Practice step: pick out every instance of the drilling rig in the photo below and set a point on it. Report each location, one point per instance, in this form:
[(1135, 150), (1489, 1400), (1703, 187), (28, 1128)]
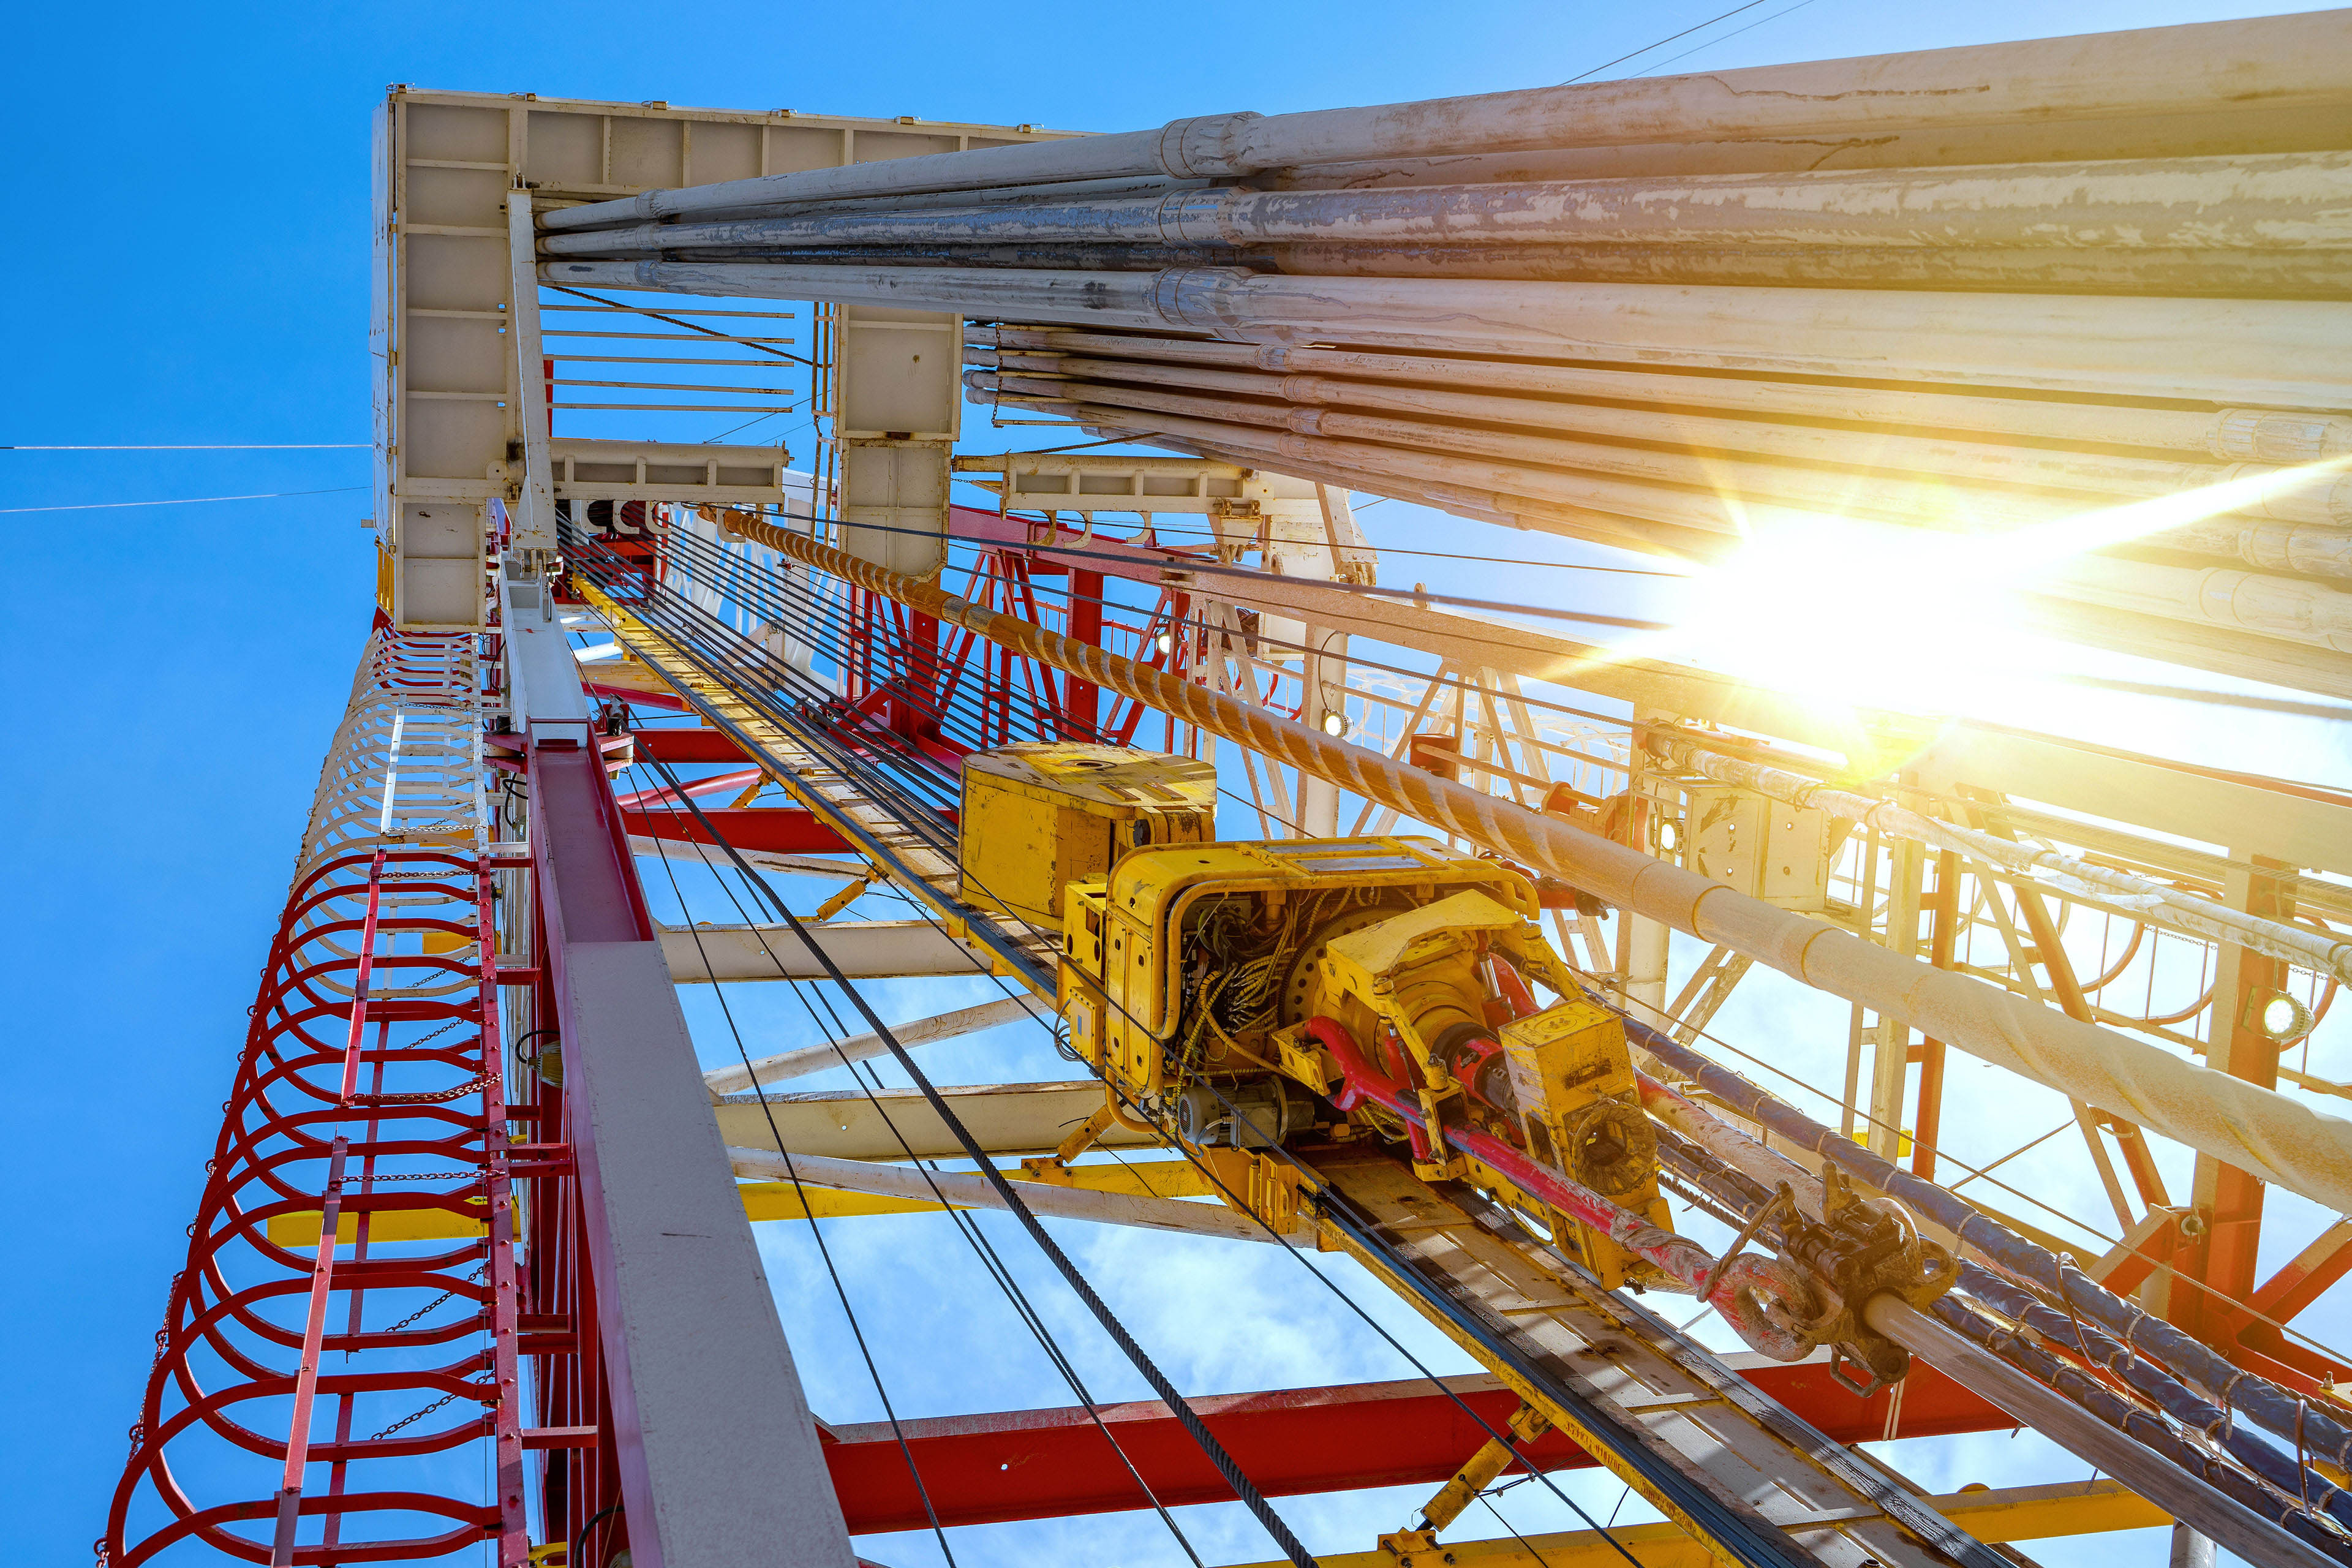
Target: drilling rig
[(1364, 920)]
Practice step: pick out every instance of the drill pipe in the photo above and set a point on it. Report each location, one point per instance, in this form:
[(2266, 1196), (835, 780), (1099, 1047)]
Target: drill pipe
[(2282, 202), (2297, 67), (2235, 435), (1748, 1166), (2268, 1407), (2257, 1129), (2173, 273), (2306, 494), (2282, 608), (2287, 354), (2157, 1478)]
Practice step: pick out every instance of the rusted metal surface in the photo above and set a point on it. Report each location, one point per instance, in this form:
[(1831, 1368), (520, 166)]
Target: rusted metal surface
[(2156, 90)]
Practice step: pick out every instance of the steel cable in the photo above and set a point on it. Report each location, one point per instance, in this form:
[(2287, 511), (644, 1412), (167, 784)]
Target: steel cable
[(967, 1227), (1185, 1415)]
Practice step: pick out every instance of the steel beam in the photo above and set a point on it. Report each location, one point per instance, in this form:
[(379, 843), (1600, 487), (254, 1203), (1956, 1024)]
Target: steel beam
[(788, 1065), (2227, 1194), (865, 949), (2013, 1513), (1007, 1119), (959, 1189), (717, 1451), (777, 830), (1041, 1464), (839, 869)]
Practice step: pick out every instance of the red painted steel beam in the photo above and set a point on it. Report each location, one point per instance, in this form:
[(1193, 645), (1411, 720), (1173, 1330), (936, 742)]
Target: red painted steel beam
[(1110, 557), (718, 783), (2308, 1276), (631, 694), (689, 746), (783, 830), (1045, 1463)]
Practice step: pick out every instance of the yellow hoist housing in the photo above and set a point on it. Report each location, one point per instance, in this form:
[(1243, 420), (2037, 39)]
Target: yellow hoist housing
[(1192, 971), (1171, 938), (1041, 815)]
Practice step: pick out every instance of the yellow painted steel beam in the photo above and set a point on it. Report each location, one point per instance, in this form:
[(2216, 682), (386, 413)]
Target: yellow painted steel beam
[(2018, 1514), (762, 1200)]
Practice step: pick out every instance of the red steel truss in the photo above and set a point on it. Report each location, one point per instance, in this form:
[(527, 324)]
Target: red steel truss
[(372, 1086), (369, 1091)]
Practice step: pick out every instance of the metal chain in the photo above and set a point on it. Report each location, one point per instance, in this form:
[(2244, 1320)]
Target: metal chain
[(428, 1410), (473, 1085), (473, 1278), (420, 1043)]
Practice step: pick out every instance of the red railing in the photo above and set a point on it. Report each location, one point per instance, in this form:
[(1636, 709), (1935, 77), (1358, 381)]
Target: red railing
[(369, 1093)]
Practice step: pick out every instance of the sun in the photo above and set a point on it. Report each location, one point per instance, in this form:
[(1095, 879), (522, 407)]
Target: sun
[(1850, 613)]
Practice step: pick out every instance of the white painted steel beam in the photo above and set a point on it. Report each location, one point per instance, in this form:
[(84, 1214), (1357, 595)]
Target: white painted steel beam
[(1011, 1119), (788, 1065), (865, 949), (534, 518), (835, 867)]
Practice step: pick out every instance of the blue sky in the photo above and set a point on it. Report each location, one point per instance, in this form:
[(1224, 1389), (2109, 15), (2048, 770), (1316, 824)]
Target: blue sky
[(189, 268)]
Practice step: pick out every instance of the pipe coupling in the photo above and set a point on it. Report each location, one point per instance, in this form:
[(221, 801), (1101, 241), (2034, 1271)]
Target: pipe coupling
[(2265, 436), (1206, 146), (1199, 299), (1195, 217)]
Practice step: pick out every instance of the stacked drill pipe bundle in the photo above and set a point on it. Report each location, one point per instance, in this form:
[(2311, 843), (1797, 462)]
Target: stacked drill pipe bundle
[(2090, 299), (2221, 225)]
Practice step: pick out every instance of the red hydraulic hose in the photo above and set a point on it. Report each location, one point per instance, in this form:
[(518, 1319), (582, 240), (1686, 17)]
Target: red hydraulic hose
[(1763, 1299)]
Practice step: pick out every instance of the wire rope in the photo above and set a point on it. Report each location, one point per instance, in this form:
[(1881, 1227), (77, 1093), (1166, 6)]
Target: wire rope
[(965, 1225), (1662, 43), (1365, 1239), (1177, 1404), (816, 1233)]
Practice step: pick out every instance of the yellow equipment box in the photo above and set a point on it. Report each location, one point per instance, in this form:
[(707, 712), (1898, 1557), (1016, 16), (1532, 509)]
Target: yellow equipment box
[(1041, 814), (1238, 927)]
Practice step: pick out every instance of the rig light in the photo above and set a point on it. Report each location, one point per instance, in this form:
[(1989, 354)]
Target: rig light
[(1335, 725), (2284, 1017)]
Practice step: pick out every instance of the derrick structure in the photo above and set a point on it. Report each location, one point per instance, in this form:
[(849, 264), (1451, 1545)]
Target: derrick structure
[(2067, 316)]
